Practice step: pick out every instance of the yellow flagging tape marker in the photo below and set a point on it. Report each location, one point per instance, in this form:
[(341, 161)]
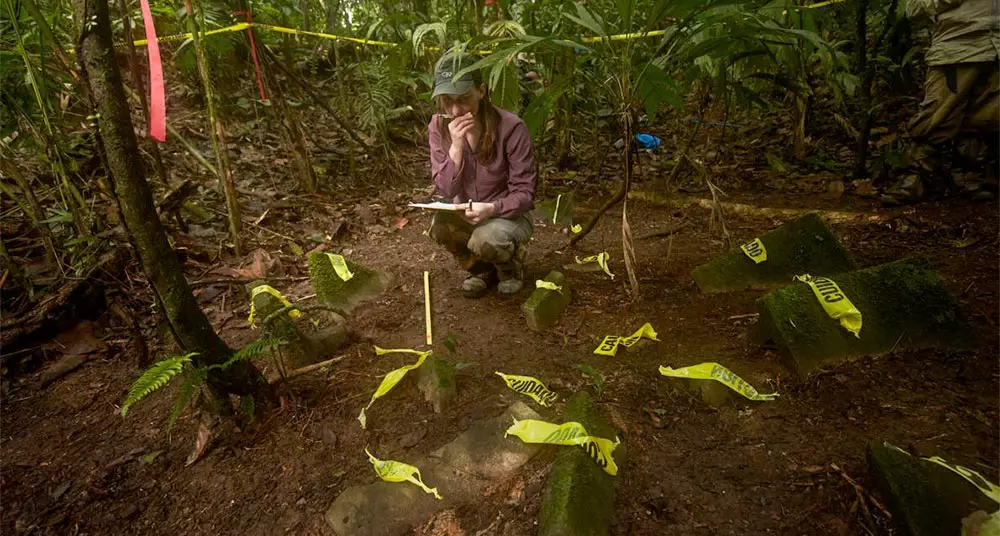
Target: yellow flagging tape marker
[(392, 378), (988, 488), (547, 285), (293, 31), (719, 373), (576, 228), (834, 302), (392, 471), (532, 387), (609, 346), (340, 266), (571, 433), (755, 250), (270, 290), (601, 259)]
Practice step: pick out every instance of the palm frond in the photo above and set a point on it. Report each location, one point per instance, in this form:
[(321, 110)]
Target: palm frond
[(155, 377)]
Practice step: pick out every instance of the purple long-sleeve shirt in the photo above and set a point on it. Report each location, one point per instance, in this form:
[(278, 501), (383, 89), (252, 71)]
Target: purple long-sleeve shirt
[(508, 182)]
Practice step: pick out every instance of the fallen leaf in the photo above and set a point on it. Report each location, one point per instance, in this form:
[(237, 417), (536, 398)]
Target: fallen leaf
[(261, 266), (400, 223), (200, 444)]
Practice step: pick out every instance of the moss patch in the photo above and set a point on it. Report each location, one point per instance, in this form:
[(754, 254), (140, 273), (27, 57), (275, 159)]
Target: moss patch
[(903, 304), (296, 351), (436, 379), (801, 246), (927, 499), (545, 307), (345, 295), (579, 496)]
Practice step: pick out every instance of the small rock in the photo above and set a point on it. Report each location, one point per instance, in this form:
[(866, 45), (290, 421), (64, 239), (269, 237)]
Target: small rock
[(545, 307), (411, 439), (835, 189)]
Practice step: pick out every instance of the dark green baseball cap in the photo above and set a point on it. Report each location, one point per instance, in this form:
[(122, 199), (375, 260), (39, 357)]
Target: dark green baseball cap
[(444, 75)]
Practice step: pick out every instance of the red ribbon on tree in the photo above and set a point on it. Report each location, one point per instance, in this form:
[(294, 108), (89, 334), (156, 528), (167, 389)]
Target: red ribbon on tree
[(253, 51), (157, 96)]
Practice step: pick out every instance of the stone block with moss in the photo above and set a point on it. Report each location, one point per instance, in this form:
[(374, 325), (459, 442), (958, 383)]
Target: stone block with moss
[(545, 307), (903, 305), (296, 351), (925, 498), (345, 295), (801, 246), (579, 496), (436, 380)]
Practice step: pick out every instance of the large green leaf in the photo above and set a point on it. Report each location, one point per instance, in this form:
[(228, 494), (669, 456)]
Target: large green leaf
[(587, 19), (540, 108)]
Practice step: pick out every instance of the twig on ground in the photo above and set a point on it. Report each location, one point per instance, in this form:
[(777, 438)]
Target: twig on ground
[(309, 368)]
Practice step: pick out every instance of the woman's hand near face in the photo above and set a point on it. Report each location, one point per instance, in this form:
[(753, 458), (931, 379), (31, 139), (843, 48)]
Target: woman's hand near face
[(459, 128)]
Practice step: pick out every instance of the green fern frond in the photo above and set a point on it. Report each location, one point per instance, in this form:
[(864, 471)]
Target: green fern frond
[(251, 350), (188, 388), (155, 377)]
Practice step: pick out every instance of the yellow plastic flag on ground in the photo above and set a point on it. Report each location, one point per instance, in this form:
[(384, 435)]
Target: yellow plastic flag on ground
[(834, 302), (532, 387), (601, 259), (392, 471), (609, 346), (270, 290), (340, 266), (392, 378), (755, 250), (571, 433), (719, 373), (547, 285)]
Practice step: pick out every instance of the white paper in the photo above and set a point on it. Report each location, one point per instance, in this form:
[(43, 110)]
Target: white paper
[(437, 205)]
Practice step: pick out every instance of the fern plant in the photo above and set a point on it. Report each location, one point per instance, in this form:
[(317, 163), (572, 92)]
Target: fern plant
[(160, 374)]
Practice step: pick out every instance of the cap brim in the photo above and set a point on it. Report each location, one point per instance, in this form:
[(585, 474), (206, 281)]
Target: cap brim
[(460, 87)]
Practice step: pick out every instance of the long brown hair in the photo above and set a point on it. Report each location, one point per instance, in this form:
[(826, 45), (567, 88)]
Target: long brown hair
[(488, 122)]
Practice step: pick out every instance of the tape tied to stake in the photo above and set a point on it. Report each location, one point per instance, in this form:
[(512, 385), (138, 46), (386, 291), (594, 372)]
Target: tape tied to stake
[(755, 250), (834, 302), (719, 373), (609, 346), (530, 386), (988, 488), (270, 290), (391, 378), (601, 259), (340, 266), (547, 285), (393, 471), (576, 228), (571, 433)]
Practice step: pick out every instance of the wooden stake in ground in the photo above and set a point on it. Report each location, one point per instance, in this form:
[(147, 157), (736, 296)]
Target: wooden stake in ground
[(427, 307)]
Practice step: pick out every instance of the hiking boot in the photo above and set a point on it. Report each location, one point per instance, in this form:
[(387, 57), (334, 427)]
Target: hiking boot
[(511, 274), (476, 285)]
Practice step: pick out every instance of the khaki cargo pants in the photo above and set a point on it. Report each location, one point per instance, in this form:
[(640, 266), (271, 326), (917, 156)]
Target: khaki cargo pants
[(498, 242), (959, 99)]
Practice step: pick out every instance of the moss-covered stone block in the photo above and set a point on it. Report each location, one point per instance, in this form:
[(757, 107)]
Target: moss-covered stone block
[(579, 496), (296, 351), (545, 307), (925, 498), (801, 246), (334, 291), (436, 380), (902, 304)]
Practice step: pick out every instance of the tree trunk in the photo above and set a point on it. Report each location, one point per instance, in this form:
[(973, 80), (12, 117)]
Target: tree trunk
[(186, 320), (861, 67)]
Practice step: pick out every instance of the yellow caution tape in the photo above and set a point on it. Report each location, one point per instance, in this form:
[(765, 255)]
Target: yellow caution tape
[(601, 259), (270, 290), (570, 433), (392, 378), (281, 29), (719, 373), (340, 266), (532, 387), (392, 471), (988, 488), (547, 285), (834, 302), (609, 346), (755, 250)]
